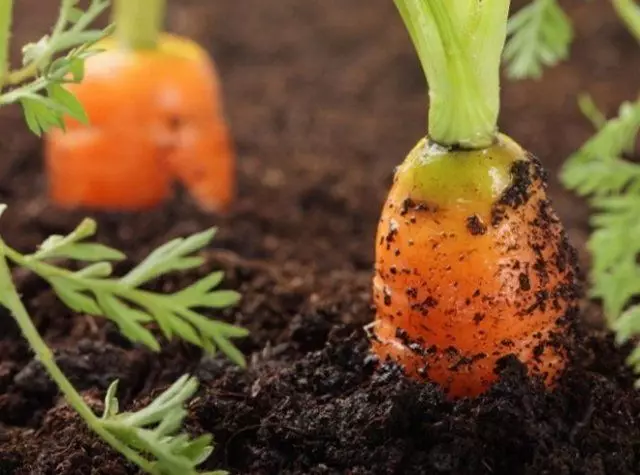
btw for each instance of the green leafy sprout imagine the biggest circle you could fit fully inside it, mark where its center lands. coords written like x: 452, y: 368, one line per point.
x: 539, y: 36
x: 38, y: 84
x: 152, y: 437
x: 93, y: 290
x: 601, y: 170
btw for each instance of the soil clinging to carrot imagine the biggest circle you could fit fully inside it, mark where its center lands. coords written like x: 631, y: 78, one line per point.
x: 319, y: 126
x: 452, y: 301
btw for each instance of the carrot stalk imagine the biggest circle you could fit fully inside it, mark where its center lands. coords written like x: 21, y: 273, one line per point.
x: 472, y: 264
x: 139, y: 22
x: 629, y: 13
x: 463, y: 92
x: 6, y: 16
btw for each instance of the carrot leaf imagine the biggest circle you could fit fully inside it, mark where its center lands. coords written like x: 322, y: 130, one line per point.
x: 154, y: 429
x: 539, y: 35
x: 599, y: 168
x: 151, y: 437
x: 590, y: 110
x: 92, y: 290
x: 38, y: 85
x: 627, y: 329
x: 629, y: 12
x: 601, y: 171
x: 174, y: 255
x: 68, y: 101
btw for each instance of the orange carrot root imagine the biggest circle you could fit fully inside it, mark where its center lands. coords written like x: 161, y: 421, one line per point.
x: 155, y: 117
x: 472, y: 265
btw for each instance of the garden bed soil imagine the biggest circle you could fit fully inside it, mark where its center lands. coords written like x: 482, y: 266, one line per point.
x: 325, y: 98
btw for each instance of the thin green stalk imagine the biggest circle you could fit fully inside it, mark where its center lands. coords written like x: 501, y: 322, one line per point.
x: 6, y: 15
x: 46, y: 271
x: 629, y: 13
x: 139, y: 22
x: 11, y: 300
x: 459, y: 44
x: 31, y: 69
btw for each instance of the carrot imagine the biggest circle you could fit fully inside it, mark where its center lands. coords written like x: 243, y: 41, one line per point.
x: 472, y: 264
x: 155, y: 116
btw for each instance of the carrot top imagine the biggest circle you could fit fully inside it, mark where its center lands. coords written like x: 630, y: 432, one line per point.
x: 6, y: 13
x: 459, y: 44
x: 139, y: 22
x: 48, y: 64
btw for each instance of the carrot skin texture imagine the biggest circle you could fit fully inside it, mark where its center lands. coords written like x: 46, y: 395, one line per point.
x: 472, y: 265
x: 155, y: 116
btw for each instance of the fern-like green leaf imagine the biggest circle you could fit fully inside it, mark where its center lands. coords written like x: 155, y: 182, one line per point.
x: 38, y: 86
x: 94, y: 291
x: 611, y: 182
x: 615, y: 245
x: 155, y: 429
x: 539, y: 35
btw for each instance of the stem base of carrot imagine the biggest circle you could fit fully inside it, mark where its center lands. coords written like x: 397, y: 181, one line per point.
x: 444, y: 176
x: 139, y: 23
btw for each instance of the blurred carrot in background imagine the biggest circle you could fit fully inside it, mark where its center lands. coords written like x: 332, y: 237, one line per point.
x: 155, y: 116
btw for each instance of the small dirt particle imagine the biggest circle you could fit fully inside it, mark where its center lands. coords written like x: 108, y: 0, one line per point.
x: 525, y: 284
x: 475, y: 225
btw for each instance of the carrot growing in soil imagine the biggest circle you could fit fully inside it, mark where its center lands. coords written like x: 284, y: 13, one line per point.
x: 155, y: 111
x: 472, y: 263
x: 152, y: 437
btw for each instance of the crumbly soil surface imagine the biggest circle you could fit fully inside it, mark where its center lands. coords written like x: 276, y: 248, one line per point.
x: 324, y: 98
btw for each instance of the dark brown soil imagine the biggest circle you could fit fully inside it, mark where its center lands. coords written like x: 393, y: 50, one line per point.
x: 325, y: 98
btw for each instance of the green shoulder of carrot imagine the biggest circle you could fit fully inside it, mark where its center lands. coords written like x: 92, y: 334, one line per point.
x: 152, y: 437
x: 472, y: 264
x: 601, y: 170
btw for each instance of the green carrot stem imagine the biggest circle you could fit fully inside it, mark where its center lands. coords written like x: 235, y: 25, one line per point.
x: 459, y: 43
x: 11, y: 300
x: 139, y: 22
x: 629, y: 13
x: 6, y: 15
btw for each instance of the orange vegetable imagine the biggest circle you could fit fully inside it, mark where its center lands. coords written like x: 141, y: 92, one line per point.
x: 472, y: 265
x: 155, y: 116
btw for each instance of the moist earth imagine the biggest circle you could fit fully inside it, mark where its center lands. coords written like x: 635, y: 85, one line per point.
x: 325, y: 99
